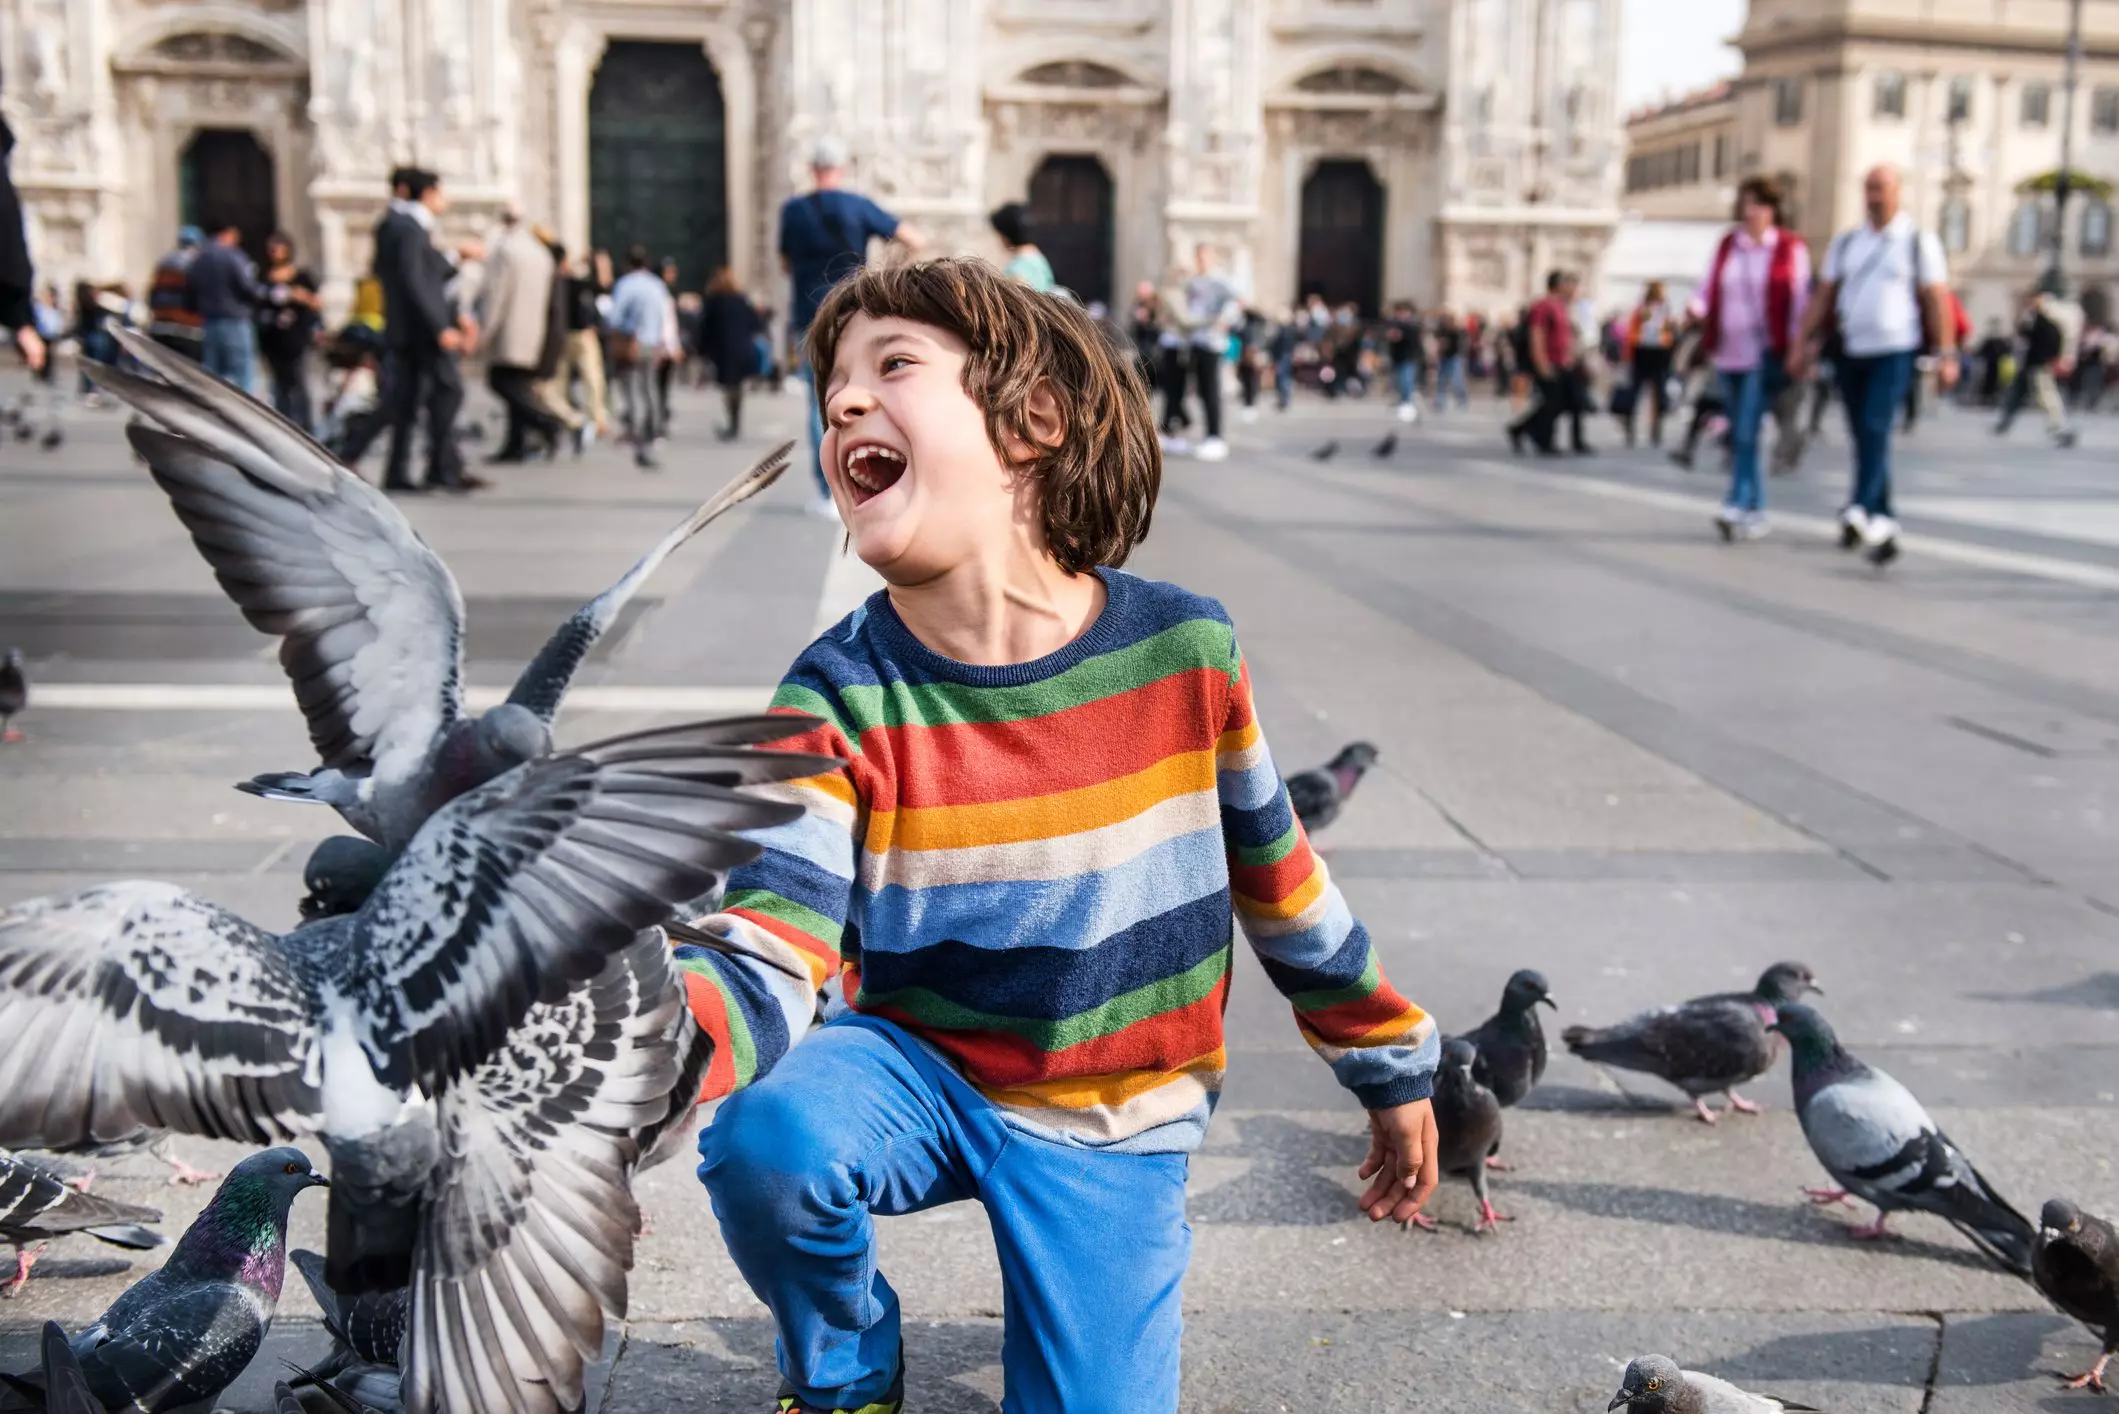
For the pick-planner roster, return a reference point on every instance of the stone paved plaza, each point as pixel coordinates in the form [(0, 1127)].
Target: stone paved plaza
[(1614, 748)]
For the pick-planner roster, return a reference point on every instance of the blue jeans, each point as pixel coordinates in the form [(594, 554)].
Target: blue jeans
[(231, 351), (1873, 387), (816, 414), (1747, 394), (859, 1119), (1407, 377), (1449, 378), (1283, 382)]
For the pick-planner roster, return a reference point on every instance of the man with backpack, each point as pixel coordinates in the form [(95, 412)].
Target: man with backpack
[(824, 237)]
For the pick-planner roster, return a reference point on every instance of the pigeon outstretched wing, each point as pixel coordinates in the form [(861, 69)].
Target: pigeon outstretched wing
[(370, 621), (137, 1006), (544, 682), (517, 890), (527, 1233)]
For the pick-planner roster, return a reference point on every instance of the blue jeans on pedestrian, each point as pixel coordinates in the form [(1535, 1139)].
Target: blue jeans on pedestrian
[(230, 351), (1283, 382), (1873, 388), (1449, 378), (860, 1119), (1407, 378), (1748, 394)]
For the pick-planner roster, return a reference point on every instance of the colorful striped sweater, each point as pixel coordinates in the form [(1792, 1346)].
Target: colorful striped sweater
[(1031, 868)]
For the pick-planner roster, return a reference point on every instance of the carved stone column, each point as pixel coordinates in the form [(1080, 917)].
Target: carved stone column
[(1216, 131)]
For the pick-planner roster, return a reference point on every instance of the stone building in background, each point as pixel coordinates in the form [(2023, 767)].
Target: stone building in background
[(1447, 150)]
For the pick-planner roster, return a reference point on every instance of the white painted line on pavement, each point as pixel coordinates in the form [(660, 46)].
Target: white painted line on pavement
[(272, 697), (1987, 557)]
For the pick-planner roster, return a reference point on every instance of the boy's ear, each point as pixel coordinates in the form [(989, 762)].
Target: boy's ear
[(1042, 418)]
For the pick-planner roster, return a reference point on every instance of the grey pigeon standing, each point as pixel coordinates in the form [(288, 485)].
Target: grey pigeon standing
[(1318, 794), (481, 1106), (1654, 1384), (2077, 1267), (14, 693), (183, 1333), (1878, 1144), (1326, 452), (1384, 448), (37, 1206), (370, 621), (1511, 1043), (1467, 1129), (1709, 1044)]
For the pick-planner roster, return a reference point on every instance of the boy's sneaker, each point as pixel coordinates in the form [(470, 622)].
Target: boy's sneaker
[(1213, 450), (892, 1402), (1853, 524)]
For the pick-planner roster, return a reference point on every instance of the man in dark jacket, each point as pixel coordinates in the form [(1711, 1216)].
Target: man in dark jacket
[(224, 290), (421, 341), (17, 279)]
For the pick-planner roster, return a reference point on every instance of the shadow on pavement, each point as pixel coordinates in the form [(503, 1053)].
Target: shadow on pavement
[(726, 1367), (2099, 990), (1285, 1183)]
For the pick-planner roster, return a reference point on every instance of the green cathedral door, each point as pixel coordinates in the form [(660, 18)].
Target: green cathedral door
[(657, 155)]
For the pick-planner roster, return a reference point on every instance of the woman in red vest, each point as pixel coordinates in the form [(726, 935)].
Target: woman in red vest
[(1755, 293)]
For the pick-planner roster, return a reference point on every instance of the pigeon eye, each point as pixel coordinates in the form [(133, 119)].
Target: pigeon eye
[(294, 1168), (1654, 1384)]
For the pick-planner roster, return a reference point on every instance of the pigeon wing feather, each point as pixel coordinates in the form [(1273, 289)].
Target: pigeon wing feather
[(168, 1343), (65, 1387), (34, 1204), (137, 1006), (1700, 1046)]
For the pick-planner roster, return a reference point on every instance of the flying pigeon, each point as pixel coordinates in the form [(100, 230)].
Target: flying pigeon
[(62, 1388), (1877, 1142), (1326, 452), (1708, 1044), (36, 1206), (1511, 1043), (1468, 1129), (2077, 1267), (370, 622), (1384, 448), (480, 1107), (14, 693), (1654, 1384), (1318, 793), (182, 1333)]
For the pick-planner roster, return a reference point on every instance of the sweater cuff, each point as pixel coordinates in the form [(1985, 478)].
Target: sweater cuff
[(1392, 1093)]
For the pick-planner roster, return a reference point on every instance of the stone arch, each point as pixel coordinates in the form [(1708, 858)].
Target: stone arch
[(1347, 73), (146, 47), (1069, 69)]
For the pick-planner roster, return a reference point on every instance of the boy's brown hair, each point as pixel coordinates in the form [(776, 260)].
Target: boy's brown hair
[(1098, 483)]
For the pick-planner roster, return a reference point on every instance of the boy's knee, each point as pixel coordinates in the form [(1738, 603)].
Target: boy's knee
[(771, 1149)]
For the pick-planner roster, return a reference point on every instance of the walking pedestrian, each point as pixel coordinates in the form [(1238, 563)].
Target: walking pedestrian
[(643, 327), (1755, 293), (729, 325), (1404, 338), (1452, 344), (550, 389), (824, 236), (288, 314), (514, 307), (17, 276), (1883, 286), (1652, 333), (173, 315), (2044, 347), (581, 352), (225, 291), (1025, 261), (1146, 329), (1211, 309), (1550, 348), (423, 338)]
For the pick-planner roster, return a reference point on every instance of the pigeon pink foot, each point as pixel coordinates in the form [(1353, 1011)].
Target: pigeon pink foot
[(1488, 1218), (1824, 1197), (2090, 1379), (26, 1257), (10, 736), (1499, 1165), (1741, 1105), (1699, 1105), (1874, 1232), (181, 1172), (1419, 1220)]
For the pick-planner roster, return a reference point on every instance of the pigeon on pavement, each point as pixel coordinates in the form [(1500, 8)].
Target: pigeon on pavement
[(1511, 1043), (62, 1388), (1317, 794), (1326, 452), (1709, 1044), (14, 693), (481, 1109), (1654, 1384), (368, 1328), (1384, 448), (2077, 1267), (1467, 1128), (1877, 1142), (183, 1333), (36, 1206), (370, 622)]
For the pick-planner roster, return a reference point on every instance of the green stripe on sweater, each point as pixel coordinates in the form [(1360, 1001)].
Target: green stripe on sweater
[(1126, 1009)]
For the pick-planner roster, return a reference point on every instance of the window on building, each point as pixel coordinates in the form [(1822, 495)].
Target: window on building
[(1787, 102), (1889, 99), (2104, 109), (2037, 104), (2026, 225), (1960, 103), (1721, 156), (1956, 225), (1689, 165), (2097, 228)]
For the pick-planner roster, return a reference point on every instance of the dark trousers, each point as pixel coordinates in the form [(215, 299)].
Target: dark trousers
[(1873, 389), (290, 388), (732, 399), (1651, 379), (663, 373), (1206, 372), (1174, 366), (1557, 395), (1247, 380), (413, 379), (517, 388)]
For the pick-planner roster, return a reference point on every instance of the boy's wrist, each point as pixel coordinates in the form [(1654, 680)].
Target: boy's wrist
[(1390, 1094)]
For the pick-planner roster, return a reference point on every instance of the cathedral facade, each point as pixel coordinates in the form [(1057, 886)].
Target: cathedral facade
[(1441, 150)]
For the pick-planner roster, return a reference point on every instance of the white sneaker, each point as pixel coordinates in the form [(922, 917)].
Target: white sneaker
[(1877, 529), (1753, 526), (1175, 446), (1408, 412), (1726, 520), (1247, 415), (1213, 450), (823, 509), (1853, 520)]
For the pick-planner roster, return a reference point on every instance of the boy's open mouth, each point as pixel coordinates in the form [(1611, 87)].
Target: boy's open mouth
[(872, 469)]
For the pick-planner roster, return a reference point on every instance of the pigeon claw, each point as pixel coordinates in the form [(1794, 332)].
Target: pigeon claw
[(26, 1257), (1489, 1219), (1419, 1220), (1873, 1232), (1741, 1105), (1824, 1197), (1499, 1165), (2090, 1379), (1707, 1116), (183, 1173), (10, 736)]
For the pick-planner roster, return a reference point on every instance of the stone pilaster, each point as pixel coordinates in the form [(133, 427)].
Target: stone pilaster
[(1215, 141)]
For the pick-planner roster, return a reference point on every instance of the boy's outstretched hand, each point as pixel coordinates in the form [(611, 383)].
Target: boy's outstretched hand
[(1401, 1161)]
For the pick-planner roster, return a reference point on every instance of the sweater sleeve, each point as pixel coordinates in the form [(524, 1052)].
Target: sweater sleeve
[(788, 909), (1378, 1044)]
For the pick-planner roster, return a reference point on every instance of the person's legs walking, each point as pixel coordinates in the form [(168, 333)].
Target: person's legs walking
[(2047, 390), (1283, 382), (732, 399), (1576, 384), (444, 389), (1402, 377), (404, 390), (1744, 394), (1206, 372), (1174, 364), (1855, 376), (2012, 399)]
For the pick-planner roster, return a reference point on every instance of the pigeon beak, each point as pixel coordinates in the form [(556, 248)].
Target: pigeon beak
[(1815, 987), (1548, 1001), (317, 1180), (1619, 1400)]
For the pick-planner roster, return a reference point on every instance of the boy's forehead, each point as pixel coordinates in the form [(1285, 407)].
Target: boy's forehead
[(867, 331)]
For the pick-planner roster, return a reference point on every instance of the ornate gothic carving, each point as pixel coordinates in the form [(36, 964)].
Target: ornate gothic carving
[(1072, 127), (213, 47), (1353, 79), (1076, 73)]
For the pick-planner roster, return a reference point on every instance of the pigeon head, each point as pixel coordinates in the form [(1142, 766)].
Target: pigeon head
[(2060, 1216), (273, 1177), (13, 657), (1458, 1054), (1650, 1384), (1525, 990), (341, 873), (509, 735), (1810, 1038), (1355, 756), (242, 1235), (1786, 982)]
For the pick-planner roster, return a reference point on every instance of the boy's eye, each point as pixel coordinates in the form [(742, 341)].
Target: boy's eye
[(893, 362)]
